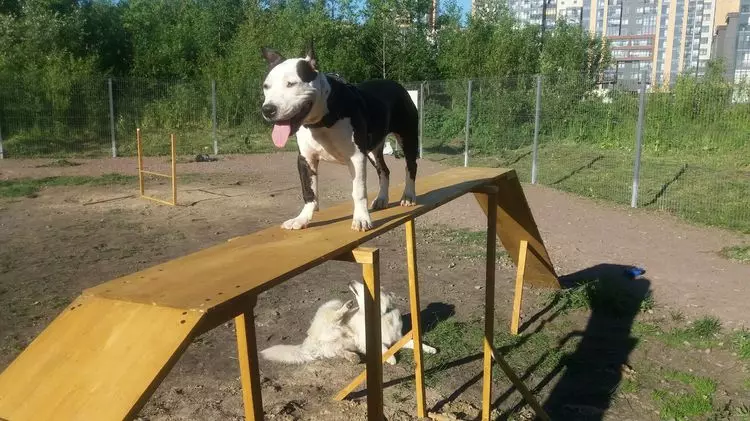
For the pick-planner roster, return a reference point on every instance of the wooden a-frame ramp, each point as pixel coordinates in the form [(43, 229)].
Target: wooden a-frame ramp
[(105, 354)]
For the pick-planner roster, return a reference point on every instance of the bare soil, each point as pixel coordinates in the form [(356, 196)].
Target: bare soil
[(70, 238)]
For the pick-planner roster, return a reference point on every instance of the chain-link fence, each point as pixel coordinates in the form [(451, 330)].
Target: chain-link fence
[(567, 130)]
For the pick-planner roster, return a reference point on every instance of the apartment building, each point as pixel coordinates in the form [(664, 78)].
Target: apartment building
[(662, 38), (731, 43)]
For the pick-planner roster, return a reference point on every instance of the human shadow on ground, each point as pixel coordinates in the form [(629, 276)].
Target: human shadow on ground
[(590, 375)]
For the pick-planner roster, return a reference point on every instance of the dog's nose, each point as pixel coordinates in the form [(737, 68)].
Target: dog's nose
[(269, 110)]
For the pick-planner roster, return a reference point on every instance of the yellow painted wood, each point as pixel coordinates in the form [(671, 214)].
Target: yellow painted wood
[(247, 355), (102, 359), (343, 393), (174, 169), (374, 363), (416, 319), (98, 360), (515, 223), (157, 174), (518, 296), (222, 275), (140, 160), (489, 305)]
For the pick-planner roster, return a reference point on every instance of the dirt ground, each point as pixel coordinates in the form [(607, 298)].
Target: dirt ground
[(70, 238)]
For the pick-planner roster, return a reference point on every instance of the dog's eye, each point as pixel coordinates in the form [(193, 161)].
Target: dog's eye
[(290, 84)]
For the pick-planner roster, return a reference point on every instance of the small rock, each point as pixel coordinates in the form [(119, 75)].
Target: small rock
[(478, 287), (452, 265)]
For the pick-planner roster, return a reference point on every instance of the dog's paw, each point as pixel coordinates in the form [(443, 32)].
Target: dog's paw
[(428, 349), (361, 223), (408, 200), (391, 360), (295, 224), (379, 203)]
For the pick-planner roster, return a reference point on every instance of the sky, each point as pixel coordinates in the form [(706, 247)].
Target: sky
[(465, 6)]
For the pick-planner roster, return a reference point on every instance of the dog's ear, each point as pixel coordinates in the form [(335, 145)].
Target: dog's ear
[(307, 69), (310, 54), (273, 57)]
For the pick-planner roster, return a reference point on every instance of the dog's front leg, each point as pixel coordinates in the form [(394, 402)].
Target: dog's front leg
[(358, 171), (308, 175)]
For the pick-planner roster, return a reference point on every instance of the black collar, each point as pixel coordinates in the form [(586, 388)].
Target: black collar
[(333, 115), (328, 121)]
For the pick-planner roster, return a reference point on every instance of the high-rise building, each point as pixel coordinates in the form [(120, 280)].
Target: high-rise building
[(662, 38), (731, 43)]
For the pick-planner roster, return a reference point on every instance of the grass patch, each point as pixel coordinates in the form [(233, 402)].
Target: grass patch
[(736, 253), (463, 243), (702, 333), (59, 163), (698, 188), (691, 397), (609, 297), (30, 187), (740, 341), (456, 340)]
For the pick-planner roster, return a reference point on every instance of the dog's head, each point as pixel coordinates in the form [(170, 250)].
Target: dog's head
[(291, 90), (358, 289)]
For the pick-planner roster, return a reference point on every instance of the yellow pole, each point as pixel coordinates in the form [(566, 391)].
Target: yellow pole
[(174, 170)]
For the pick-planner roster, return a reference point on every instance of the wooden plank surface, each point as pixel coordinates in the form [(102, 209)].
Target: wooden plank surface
[(515, 222), (222, 275), (98, 360)]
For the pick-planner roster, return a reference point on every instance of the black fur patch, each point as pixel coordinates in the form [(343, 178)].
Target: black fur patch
[(305, 71), (305, 176)]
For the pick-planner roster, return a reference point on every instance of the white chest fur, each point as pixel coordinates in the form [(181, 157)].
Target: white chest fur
[(333, 144)]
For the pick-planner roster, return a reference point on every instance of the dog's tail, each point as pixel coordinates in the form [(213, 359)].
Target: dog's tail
[(291, 354)]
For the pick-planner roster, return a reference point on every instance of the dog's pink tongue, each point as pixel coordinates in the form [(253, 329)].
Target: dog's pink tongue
[(280, 134)]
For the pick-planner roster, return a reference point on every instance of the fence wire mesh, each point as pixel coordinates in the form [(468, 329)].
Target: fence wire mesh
[(695, 159)]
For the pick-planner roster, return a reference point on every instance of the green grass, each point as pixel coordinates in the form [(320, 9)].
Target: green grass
[(608, 297), (740, 341), (702, 333), (693, 398), (737, 253), (463, 243), (708, 189), (30, 187), (456, 339)]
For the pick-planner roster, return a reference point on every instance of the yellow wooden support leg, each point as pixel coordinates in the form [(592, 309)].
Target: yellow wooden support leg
[(174, 169), (518, 297), (370, 261), (363, 375), (140, 159), (247, 354), (416, 320), (489, 304)]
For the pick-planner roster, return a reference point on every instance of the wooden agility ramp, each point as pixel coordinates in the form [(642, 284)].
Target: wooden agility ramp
[(106, 353)]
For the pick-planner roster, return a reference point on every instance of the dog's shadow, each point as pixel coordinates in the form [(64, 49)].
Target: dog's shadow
[(433, 314)]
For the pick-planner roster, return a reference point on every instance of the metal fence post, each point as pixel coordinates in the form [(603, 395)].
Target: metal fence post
[(112, 119), (468, 125), (639, 140), (2, 151), (213, 116), (421, 118), (537, 124)]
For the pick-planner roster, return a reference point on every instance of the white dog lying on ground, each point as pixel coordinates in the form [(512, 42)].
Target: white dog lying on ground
[(338, 330)]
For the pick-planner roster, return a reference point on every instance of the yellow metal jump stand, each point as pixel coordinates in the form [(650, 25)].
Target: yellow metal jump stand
[(173, 176)]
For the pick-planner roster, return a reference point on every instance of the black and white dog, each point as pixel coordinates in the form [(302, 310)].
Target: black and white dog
[(338, 122)]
